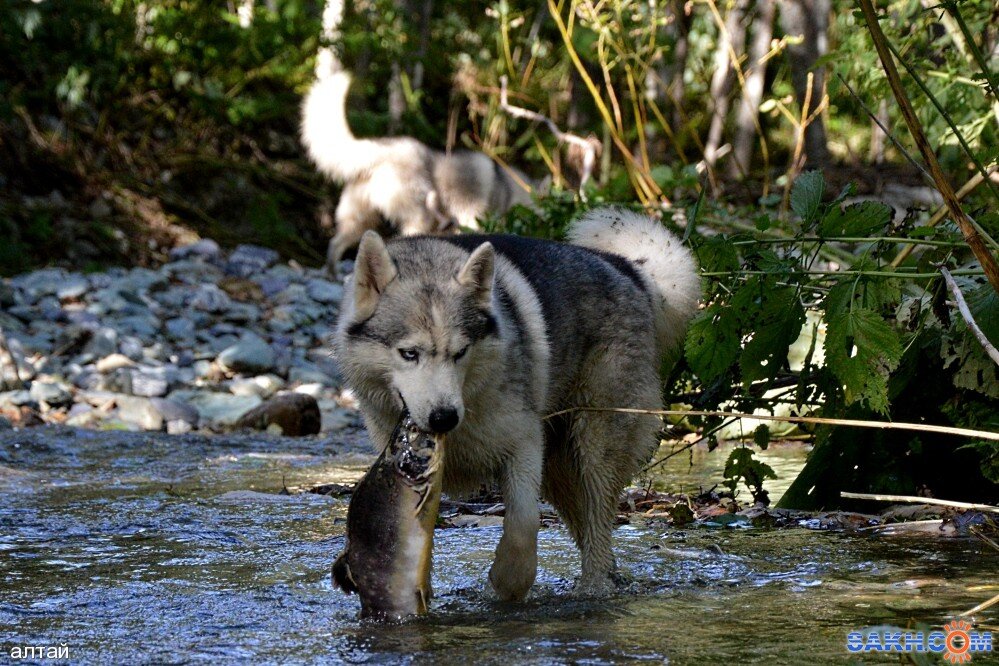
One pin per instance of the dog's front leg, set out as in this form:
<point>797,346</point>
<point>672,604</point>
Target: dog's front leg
<point>516,563</point>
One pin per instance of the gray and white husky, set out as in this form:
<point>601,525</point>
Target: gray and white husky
<point>400,180</point>
<point>483,336</point>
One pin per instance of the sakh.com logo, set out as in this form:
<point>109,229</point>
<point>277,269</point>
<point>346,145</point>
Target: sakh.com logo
<point>957,643</point>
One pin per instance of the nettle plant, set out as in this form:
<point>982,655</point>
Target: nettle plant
<point>881,340</point>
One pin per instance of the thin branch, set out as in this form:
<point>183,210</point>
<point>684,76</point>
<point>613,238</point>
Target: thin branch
<point>941,212</point>
<point>589,147</point>
<point>913,499</point>
<point>965,311</point>
<point>891,137</point>
<point>971,235</point>
<point>982,606</point>
<point>880,425</point>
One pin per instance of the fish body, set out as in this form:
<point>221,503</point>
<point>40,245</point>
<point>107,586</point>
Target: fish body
<point>390,527</point>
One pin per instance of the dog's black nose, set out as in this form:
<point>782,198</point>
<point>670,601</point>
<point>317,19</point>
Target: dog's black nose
<point>443,419</point>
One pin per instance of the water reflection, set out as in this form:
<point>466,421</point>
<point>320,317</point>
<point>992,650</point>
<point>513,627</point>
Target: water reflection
<point>135,548</point>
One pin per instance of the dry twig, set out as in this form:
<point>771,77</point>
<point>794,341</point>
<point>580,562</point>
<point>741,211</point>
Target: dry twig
<point>588,148</point>
<point>914,499</point>
<point>965,311</point>
<point>881,425</point>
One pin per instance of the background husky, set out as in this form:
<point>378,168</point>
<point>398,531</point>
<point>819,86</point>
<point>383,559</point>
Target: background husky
<point>416,189</point>
<point>482,336</point>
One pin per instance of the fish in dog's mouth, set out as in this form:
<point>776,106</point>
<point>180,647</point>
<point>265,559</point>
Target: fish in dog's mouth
<point>390,526</point>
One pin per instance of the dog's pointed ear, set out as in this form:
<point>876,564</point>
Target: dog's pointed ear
<point>373,271</point>
<point>477,273</point>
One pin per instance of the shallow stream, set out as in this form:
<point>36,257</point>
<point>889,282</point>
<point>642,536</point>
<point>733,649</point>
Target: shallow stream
<point>138,548</point>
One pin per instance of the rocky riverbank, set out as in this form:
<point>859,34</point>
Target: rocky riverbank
<point>209,341</point>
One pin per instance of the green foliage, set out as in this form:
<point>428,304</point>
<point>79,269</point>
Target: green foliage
<point>743,466</point>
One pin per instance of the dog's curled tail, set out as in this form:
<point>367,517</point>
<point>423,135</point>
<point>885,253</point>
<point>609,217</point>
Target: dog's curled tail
<point>668,266</point>
<point>327,136</point>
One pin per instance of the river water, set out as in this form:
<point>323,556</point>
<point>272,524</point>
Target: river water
<point>139,548</point>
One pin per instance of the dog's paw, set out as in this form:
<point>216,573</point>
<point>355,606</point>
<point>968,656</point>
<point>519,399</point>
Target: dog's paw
<point>512,579</point>
<point>594,586</point>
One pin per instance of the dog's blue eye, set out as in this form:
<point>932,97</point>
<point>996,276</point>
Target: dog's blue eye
<point>458,356</point>
<point>409,354</point>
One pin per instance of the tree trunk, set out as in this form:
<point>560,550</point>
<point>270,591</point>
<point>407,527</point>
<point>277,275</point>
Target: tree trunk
<point>810,20</point>
<point>673,72</point>
<point>732,41</point>
<point>747,119</point>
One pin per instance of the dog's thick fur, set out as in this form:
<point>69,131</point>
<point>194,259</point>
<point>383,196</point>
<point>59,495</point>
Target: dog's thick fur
<point>399,180</point>
<point>496,332</point>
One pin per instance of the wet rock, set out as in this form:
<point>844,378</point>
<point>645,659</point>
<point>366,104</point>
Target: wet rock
<point>250,355</point>
<point>179,417</point>
<point>217,409</point>
<point>294,413</point>
<point>5,424</point>
<point>179,328</point>
<point>53,394</point>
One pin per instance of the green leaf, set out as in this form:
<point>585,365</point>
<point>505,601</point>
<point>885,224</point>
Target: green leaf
<point>761,436</point>
<point>777,326</point>
<point>717,254</point>
<point>806,195</point>
<point>860,219</point>
<point>712,345</point>
<point>862,350</point>
<point>983,301</point>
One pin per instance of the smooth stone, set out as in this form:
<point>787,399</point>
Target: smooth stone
<point>205,249</point>
<point>103,342</point>
<point>262,385</point>
<point>294,413</point>
<point>247,260</point>
<point>309,374</point>
<point>179,328</point>
<point>210,298</point>
<point>17,398</point>
<point>149,384</point>
<point>140,411</point>
<point>218,409</point>
<point>293,294</point>
<point>271,286</point>
<point>250,355</point>
<point>131,347</point>
<point>72,288</point>
<point>142,279</point>
<point>324,291</point>
<point>175,411</point>
<point>51,393</point>
<point>143,327</point>
<point>112,362</point>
